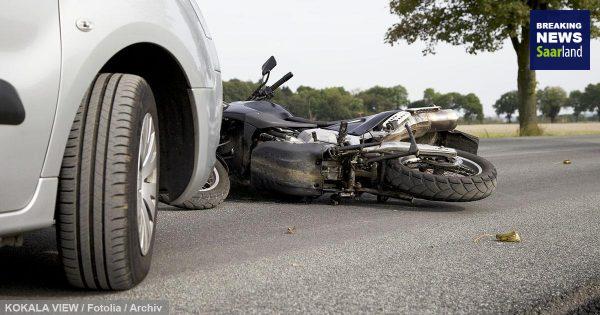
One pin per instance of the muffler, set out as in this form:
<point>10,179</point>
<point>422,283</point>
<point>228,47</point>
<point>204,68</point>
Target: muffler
<point>421,121</point>
<point>441,120</point>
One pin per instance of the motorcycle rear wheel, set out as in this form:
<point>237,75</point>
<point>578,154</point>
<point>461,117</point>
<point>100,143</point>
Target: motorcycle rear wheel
<point>478,181</point>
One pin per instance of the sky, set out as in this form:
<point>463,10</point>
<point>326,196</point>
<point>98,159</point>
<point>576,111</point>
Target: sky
<point>328,43</point>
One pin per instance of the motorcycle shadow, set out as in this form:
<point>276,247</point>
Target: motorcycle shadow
<point>370,201</point>
<point>365,201</point>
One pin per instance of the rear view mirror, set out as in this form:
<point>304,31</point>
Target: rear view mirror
<point>269,65</point>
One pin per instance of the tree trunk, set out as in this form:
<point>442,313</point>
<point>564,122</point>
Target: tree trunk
<point>526,90</point>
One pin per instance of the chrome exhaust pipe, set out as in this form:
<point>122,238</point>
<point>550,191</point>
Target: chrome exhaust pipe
<point>441,120</point>
<point>421,121</point>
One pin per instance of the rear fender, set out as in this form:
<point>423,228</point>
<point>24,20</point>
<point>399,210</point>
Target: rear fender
<point>458,140</point>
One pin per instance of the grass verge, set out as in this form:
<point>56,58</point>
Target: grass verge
<point>512,130</point>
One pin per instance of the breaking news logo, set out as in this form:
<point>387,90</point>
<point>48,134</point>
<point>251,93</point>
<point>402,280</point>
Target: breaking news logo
<point>560,39</point>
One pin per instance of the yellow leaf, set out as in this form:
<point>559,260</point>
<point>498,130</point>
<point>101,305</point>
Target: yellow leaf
<point>510,237</point>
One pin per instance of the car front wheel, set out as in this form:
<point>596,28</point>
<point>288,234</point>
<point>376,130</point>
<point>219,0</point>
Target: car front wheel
<point>107,203</point>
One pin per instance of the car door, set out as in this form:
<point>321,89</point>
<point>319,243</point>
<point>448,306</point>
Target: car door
<point>30,56</point>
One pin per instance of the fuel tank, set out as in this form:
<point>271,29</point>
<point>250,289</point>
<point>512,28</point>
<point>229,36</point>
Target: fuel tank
<point>262,115</point>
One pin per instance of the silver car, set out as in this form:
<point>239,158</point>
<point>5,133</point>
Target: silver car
<point>104,106</point>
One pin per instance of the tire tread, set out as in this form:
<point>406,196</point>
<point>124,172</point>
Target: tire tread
<point>92,206</point>
<point>442,188</point>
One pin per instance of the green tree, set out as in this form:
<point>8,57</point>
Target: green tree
<point>575,102</point>
<point>483,25</point>
<point>237,90</point>
<point>551,100</point>
<point>469,104</point>
<point>304,102</point>
<point>430,96</point>
<point>324,104</point>
<point>450,100</point>
<point>336,103</point>
<point>471,107</point>
<point>507,104</point>
<point>591,98</point>
<point>378,99</point>
<point>419,103</point>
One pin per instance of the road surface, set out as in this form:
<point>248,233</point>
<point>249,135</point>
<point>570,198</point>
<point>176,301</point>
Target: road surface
<point>366,257</point>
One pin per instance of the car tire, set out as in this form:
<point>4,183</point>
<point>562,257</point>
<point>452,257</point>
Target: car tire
<point>107,203</point>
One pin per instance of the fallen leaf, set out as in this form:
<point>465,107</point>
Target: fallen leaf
<point>510,237</point>
<point>567,162</point>
<point>291,230</point>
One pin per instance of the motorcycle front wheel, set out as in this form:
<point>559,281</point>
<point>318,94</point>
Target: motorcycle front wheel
<point>214,192</point>
<point>474,179</point>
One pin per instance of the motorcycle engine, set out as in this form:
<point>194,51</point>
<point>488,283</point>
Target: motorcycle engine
<point>288,168</point>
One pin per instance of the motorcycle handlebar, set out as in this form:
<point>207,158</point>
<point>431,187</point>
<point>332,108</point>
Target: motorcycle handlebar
<point>281,81</point>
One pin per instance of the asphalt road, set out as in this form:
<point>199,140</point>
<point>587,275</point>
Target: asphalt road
<point>365,257</point>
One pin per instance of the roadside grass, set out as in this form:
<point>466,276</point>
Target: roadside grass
<point>551,130</point>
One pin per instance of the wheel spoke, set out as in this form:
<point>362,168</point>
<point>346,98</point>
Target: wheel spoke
<point>143,142</point>
<point>150,149</point>
<point>149,167</point>
<point>142,228</point>
<point>149,203</point>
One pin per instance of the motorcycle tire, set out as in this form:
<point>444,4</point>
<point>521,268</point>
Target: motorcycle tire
<point>443,187</point>
<point>213,193</point>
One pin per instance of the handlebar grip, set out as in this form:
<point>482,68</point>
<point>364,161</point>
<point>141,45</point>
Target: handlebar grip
<point>281,81</point>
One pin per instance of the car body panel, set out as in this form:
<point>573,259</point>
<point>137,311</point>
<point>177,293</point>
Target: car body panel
<point>208,125</point>
<point>30,62</point>
<point>39,213</point>
<point>117,24</point>
<point>174,25</point>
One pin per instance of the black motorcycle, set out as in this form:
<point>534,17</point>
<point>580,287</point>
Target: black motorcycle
<point>404,154</point>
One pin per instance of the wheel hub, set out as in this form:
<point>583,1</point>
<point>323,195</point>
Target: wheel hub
<point>213,181</point>
<point>147,184</point>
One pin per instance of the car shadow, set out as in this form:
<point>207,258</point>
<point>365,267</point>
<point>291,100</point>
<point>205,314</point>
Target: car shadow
<point>34,270</point>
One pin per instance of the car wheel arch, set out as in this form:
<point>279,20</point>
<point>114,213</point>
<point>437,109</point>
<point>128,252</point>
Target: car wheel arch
<point>170,85</point>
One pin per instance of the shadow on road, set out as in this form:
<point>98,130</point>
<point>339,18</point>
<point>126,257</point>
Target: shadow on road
<point>34,270</point>
<point>401,205</point>
<point>366,201</point>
